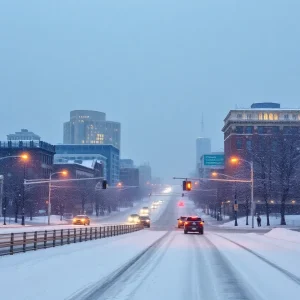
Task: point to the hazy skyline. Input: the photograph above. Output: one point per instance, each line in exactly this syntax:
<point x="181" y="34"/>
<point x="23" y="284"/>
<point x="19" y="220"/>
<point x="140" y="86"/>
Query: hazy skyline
<point x="154" y="66"/>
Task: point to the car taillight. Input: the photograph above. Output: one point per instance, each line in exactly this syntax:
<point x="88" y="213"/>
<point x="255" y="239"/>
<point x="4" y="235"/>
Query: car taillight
<point x="201" y="223"/>
<point x="186" y="223"/>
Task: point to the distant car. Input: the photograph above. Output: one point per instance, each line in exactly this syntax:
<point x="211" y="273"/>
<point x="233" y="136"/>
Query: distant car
<point x="180" y="222"/>
<point x="181" y="203"/>
<point x="81" y="220"/>
<point x="134" y="219"/>
<point x="193" y="224"/>
<point x="145" y="220"/>
<point x="154" y="206"/>
<point x="144" y="211"/>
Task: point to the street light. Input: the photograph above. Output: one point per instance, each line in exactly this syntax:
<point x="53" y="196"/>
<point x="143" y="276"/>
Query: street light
<point x="64" y="173"/>
<point x="235" y="160"/>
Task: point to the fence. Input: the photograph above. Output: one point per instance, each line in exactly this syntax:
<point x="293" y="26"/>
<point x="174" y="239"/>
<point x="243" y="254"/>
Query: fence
<point x="27" y="241"/>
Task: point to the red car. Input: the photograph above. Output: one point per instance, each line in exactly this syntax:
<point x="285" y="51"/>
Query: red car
<point x="193" y="224"/>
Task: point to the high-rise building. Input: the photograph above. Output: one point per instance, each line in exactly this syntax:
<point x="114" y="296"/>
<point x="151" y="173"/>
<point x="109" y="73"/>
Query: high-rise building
<point x="126" y="163"/>
<point x="91" y="127"/>
<point x="23" y="135"/>
<point x="129" y="176"/>
<point x="243" y="127"/>
<point x="203" y="146"/>
<point x="269" y="137"/>
<point x="145" y="174"/>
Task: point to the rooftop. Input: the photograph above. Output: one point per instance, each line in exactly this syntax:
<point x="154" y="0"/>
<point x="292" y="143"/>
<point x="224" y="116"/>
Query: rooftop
<point x="27" y="145"/>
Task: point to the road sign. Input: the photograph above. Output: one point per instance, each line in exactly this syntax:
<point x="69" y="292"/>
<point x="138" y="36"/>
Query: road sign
<point x="235" y="207"/>
<point x="214" y="160"/>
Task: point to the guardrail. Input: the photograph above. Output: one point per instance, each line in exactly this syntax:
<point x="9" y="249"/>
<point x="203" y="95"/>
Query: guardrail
<point x="31" y="241"/>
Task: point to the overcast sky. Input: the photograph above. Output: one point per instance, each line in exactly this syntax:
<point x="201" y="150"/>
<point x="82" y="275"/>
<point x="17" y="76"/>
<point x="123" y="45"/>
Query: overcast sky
<point x="153" y="65"/>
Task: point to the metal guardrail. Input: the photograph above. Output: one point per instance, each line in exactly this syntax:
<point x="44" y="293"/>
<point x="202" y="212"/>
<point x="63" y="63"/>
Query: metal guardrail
<point x="31" y="241"/>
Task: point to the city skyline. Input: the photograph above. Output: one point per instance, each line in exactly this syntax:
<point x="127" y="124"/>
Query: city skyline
<point x="155" y="80"/>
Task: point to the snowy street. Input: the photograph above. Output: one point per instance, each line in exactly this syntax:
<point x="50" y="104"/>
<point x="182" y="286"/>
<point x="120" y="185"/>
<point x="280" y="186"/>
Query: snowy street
<point x="161" y="263"/>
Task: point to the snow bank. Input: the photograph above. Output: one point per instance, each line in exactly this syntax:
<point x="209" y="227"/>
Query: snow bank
<point x="284" y="234"/>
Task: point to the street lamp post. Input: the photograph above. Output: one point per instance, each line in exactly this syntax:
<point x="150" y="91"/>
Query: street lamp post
<point x="49" y="194"/>
<point x="23" y="194"/>
<point x="235" y="160"/>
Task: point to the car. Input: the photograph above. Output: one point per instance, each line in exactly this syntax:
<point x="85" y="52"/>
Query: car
<point x="193" y="224"/>
<point x="81" y="220"/>
<point x="145" y="220"/>
<point x="144" y="211"/>
<point x="134" y="219"/>
<point x="181" y="221"/>
<point x="154" y="206"/>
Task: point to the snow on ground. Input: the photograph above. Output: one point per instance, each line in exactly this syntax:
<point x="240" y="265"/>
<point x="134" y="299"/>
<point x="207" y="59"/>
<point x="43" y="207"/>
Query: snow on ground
<point x="56" y="273"/>
<point x="291" y="221"/>
<point x="274" y="246"/>
<point x="266" y="281"/>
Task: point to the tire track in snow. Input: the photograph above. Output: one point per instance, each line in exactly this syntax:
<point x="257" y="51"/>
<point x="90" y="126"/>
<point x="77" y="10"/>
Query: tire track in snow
<point x="222" y="282"/>
<point x="290" y="275"/>
<point x="103" y="287"/>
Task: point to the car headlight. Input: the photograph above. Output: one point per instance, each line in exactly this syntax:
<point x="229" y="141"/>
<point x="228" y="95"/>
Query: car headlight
<point x="147" y="221"/>
<point x="82" y="220"/>
<point x="130" y="219"/>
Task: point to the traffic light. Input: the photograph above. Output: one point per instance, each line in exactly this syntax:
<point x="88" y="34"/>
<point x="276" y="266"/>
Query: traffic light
<point x="104" y="184"/>
<point x="187" y="185"/>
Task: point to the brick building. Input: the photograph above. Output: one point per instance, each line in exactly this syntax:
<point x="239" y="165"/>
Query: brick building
<point x="14" y="170"/>
<point x="268" y="136"/>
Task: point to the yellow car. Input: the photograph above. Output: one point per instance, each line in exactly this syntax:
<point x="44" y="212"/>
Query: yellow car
<point x="81" y="220"/>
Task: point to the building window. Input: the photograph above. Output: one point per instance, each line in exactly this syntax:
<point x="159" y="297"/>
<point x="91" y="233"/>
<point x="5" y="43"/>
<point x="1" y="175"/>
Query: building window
<point x="239" y="129"/>
<point x="286" y="116"/>
<point x="260" y="129"/>
<point x="276" y="118"/>
<point x="239" y="144"/>
<point x="260" y="116"/>
<point x="249" y="129"/>
<point x="271" y="117"/>
<point x="275" y="129"/>
<point x="266" y="117"/>
<point x="239" y="116"/>
<point x="249" y="116"/>
<point x="249" y="145"/>
<point x="295" y="117"/>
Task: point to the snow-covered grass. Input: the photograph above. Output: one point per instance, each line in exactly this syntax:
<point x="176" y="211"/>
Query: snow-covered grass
<point x="291" y="221"/>
<point x="57" y="273"/>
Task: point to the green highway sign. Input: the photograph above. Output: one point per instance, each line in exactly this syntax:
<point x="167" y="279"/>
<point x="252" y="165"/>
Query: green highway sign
<point x="214" y="160"/>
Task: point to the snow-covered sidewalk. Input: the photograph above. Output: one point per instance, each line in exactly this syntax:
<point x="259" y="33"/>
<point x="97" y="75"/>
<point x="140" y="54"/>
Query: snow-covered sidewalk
<point x="292" y="221"/>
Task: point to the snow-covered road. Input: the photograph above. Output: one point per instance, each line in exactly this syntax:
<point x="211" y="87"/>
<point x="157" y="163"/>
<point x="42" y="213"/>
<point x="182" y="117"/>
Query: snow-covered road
<point x="161" y="263"/>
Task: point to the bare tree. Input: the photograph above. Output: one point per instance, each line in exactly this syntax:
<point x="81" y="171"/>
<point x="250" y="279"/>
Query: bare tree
<point x="286" y="165"/>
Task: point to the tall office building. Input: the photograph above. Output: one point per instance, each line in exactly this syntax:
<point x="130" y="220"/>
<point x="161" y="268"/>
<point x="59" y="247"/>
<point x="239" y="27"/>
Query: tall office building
<point x="91" y="127"/>
<point x="203" y="146"/>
